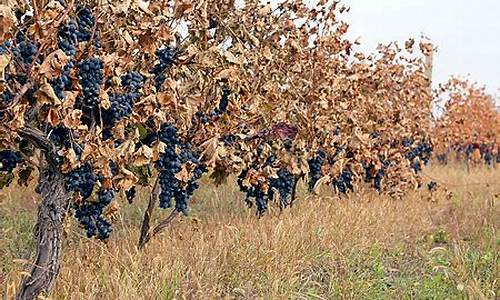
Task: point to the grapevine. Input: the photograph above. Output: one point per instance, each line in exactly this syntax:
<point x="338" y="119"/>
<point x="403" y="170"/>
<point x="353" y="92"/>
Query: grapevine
<point x="106" y="97"/>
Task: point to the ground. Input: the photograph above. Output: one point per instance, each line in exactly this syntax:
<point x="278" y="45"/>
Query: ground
<point x="444" y="246"/>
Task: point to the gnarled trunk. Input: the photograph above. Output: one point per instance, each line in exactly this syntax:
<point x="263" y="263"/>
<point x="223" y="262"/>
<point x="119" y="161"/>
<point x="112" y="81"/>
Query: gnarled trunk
<point x="49" y="236"/>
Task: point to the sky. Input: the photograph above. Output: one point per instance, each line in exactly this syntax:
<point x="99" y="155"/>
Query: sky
<point x="467" y="33"/>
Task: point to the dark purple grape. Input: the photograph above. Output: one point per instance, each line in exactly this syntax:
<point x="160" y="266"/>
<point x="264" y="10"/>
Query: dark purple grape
<point x="166" y="59"/>
<point x="9" y="160"/>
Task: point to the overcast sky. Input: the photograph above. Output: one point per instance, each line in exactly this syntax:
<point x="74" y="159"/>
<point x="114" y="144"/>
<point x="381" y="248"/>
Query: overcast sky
<point x="467" y="33"/>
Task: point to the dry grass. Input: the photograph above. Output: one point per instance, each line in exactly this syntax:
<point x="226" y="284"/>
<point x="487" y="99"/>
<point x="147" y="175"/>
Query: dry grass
<point x="365" y="247"/>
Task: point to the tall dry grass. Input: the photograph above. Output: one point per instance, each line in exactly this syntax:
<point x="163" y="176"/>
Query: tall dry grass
<point x="364" y="247"/>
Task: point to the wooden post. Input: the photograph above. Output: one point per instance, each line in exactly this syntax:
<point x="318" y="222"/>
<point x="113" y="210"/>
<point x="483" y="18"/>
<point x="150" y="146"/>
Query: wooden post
<point x="429" y="60"/>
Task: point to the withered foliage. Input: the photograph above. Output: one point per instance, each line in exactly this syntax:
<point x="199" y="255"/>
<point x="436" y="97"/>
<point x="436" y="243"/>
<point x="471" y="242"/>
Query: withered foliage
<point x="296" y="85"/>
<point x="470" y="121"/>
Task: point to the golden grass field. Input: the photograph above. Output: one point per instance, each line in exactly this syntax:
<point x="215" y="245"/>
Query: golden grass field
<point x="364" y="247"/>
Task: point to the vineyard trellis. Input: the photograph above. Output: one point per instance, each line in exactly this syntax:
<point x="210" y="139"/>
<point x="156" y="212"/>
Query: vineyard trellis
<point x="98" y="97"/>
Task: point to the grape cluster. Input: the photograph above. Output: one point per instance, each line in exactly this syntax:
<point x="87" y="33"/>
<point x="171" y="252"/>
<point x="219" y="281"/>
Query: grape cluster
<point x="121" y="107"/>
<point x="85" y="21"/>
<point x="5" y="46"/>
<point x="374" y="176"/>
<point x="25" y="52"/>
<point x="130" y="194"/>
<point x="255" y="192"/>
<point x="6" y="96"/>
<point x="469" y="149"/>
<point x="486" y="151"/>
<point x="132" y="81"/>
<point x="200" y="117"/>
<point x="90" y="215"/>
<point x="122" y="104"/>
<point x="114" y="168"/>
<point x="432" y="186"/>
<point x="315" y="165"/>
<point x="416" y="165"/>
<point x="63" y="82"/>
<point x="166" y="58"/>
<point x="284" y="184"/>
<point x="81" y="180"/>
<point x="407" y="142"/>
<point x="343" y="183"/>
<point x="374" y="135"/>
<point x="223" y="104"/>
<point x="488" y="158"/>
<point x="442" y="158"/>
<point x="337" y="130"/>
<point x="377" y="180"/>
<point x="423" y="152"/>
<point x="170" y="163"/>
<point x="5" y="99"/>
<point x="91" y="75"/>
<point x="204" y="118"/>
<point x="368" y="172"/>
<point x="60" y="136"/>
<point x="97" y="40"/>
<point x="224" y="101"/>
<point x="68" y="38"/>
<point x="150" y="139"/>
<point x="9" y="160"/>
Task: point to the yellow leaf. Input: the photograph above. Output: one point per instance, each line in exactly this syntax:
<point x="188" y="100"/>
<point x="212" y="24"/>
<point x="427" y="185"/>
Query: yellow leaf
<point x="212" y="151"/>
<point x="53" y="64"/>
<point x="52" y="118"/>
<point x="143" y="156"/>
<point x="185" y="174"/>
<point x="183" y="7"/>
<point x="226" y="73"/>
<point x="264" y="11"/>
<point x="7" y="20"/>
<point x="4" y="62"/>
<point x="231" y="58"/>
<point x="128" y="38"/>
<point x="122" y="6"/>
<point x="105" y="103"/>
<point x="71" y="162"/>
<point x="69" y="99"/>
<point x="267" y="53"/>
<point x="46" y="95"/>
<point x="320" y="182"/>
<point x="87" y="152"/>
<point x="72" y="119"/>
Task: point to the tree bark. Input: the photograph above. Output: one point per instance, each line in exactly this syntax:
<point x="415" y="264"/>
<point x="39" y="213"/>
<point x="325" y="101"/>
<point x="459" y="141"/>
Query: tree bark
<point x="148" y="213"/>
<point x="158" y="228"/>
<point x="49" y="236"/>
<point x="146" y="233"/>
